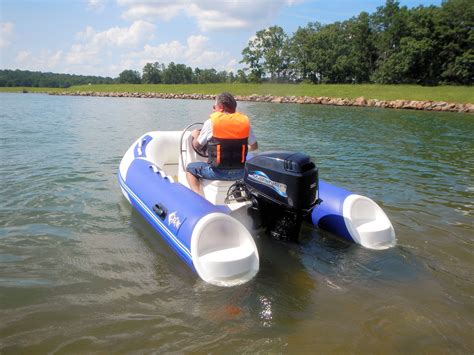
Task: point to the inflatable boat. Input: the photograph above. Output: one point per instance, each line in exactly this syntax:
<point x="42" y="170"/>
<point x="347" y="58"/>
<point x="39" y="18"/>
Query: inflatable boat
<point x="212" y="232"/>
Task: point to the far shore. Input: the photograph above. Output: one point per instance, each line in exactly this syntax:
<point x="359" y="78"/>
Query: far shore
<point x="322" y="100"/>
<point x="413" y="97"/>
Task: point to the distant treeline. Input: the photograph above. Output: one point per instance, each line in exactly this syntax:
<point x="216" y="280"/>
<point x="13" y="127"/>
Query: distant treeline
<point x="156" y="73"/>
<point x="424" y="45"/>
<point x="10" y="78"/>
<point x="153" y="73"/>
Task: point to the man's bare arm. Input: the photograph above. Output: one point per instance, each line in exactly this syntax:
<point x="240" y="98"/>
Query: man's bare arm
<point x="196" y="145"/>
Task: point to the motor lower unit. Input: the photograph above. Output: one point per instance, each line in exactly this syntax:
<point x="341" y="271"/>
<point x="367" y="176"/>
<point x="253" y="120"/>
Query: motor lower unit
<point x="284" y="189"/>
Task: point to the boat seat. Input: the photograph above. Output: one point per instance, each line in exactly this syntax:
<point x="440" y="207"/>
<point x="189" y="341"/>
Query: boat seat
<point x="376" y="232"/>
<point x="215" y="191"/>
<point x="229" y="262"/>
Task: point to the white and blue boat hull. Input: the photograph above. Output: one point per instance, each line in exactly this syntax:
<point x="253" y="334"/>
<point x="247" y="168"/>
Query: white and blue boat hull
<point x="210" y="237"/>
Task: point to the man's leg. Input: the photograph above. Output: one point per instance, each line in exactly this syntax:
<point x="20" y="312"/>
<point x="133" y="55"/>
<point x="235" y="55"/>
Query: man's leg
<point x="193" y="182"/>
<point x="194" y="172"/>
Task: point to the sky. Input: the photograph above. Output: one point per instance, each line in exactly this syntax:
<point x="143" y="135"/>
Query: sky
<point x="105" y="37"/>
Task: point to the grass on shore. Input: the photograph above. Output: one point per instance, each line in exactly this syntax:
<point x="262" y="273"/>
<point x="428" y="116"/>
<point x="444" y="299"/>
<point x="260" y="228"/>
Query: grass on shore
<point x="448" y="93"/>
<point x="29" y="89"/>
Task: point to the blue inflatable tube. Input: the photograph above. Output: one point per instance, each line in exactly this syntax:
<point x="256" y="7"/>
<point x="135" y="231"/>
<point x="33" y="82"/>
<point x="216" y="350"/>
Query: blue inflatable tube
<point x="211" y="242"/>
<point x="328" y="215"/>
<point x="353" y="217"/>
<point x="149" y="191"/>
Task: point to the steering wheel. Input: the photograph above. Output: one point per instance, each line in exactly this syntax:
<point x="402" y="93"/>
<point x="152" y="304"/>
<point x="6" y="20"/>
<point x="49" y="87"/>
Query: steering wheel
<point x="201" y="154"/>
<point x="181" y="142"/>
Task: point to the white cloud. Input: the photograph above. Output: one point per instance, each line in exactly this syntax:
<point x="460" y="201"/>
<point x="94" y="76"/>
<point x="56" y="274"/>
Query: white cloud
<point x="96" y="5"/>
<point x="164" y="10"/>
<point x="6" y="33"/>
<point x="55" y="58"/>
<point x="75" y="61"/>
<point x="194" y="53"/>
<point x="209" y="14"/>
<point x="93" y="46"/>
<point x="137" y="33"/>
<point x="23" y="56"/>
<point x="81" y="54"/>
<point x="114" y="69"/>
<point x="232" y="65"/>
<point x="45" y="61"/>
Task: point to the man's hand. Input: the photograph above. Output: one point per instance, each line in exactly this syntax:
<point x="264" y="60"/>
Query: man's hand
<point x="195" y="133"/>
<point x="253" y="147"/>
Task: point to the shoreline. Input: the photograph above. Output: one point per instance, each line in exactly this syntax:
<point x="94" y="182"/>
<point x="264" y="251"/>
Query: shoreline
<point x="428" y="105"/>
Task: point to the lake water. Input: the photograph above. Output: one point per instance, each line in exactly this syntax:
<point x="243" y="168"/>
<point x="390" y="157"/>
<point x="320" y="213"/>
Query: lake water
<point x="81" y="272"/>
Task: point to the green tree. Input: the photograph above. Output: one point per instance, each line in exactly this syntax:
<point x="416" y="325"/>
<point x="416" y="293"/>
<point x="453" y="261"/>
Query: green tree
<point x="339" y="52"/>
<point x="462" y="69"/>
<point x="362" y="52"/>
<point x="129" y="77"/>
<point x="203" y="76"/>
<point x="267" y="53"/>
<point x="331" y="57"/>
<point x="185" y="74"/>
<point x="241" y="77"/>
<point x="253" y="58"/>
<point x="456" y="38"/>
<point x="275" y="53"/>
<point x="177" y="74"/>
<point x="151" y="73"/>
<point x="222" y="76"/>
<point x="390" y="25"/>
<point x="301" y="48"/>
<point x="29" y="79"/>
<point x="197" y="75"/>
<point x="416" y="60"/>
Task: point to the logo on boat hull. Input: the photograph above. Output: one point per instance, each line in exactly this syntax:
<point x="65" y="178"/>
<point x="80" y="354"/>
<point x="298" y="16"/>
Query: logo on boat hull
<point x="173" y="220"/>
<point x="262" y="178"/>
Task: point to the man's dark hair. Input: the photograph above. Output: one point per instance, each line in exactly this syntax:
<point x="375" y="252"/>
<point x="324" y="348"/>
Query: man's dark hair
<point x="227" y="101"/>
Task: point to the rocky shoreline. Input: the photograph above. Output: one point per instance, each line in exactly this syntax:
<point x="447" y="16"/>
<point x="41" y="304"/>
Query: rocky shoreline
<point x="440" y="106"/>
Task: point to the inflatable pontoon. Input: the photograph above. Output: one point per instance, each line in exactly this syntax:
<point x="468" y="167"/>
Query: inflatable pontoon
<point x="212" y="232"/>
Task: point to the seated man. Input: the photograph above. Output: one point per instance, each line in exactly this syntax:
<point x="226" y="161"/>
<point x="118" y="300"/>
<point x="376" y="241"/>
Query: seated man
<point x="227" y="136"/>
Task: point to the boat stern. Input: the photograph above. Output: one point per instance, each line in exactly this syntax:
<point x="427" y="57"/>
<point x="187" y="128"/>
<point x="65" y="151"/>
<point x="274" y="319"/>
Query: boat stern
<point x="223" y="251"/>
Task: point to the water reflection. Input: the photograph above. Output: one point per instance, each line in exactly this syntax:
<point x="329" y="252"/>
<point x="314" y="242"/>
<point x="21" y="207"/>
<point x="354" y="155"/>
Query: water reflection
<point x="266" y="314"/>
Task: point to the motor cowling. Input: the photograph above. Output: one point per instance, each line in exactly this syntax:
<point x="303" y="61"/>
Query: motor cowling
<point x="284" y="187"/>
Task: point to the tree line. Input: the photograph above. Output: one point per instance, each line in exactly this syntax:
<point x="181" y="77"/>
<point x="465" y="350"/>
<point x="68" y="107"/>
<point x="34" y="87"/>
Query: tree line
<point x="12" y="78"/>
<point x="424" y="45"/>
<point x="152" y="73"/>
<point x="156" y="73"/>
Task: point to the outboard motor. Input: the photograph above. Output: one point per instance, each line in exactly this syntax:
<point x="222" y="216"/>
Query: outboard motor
<point x="284" y="189"/>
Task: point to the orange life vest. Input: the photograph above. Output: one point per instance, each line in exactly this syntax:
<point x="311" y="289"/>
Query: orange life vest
<point x="229" y="143"/>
